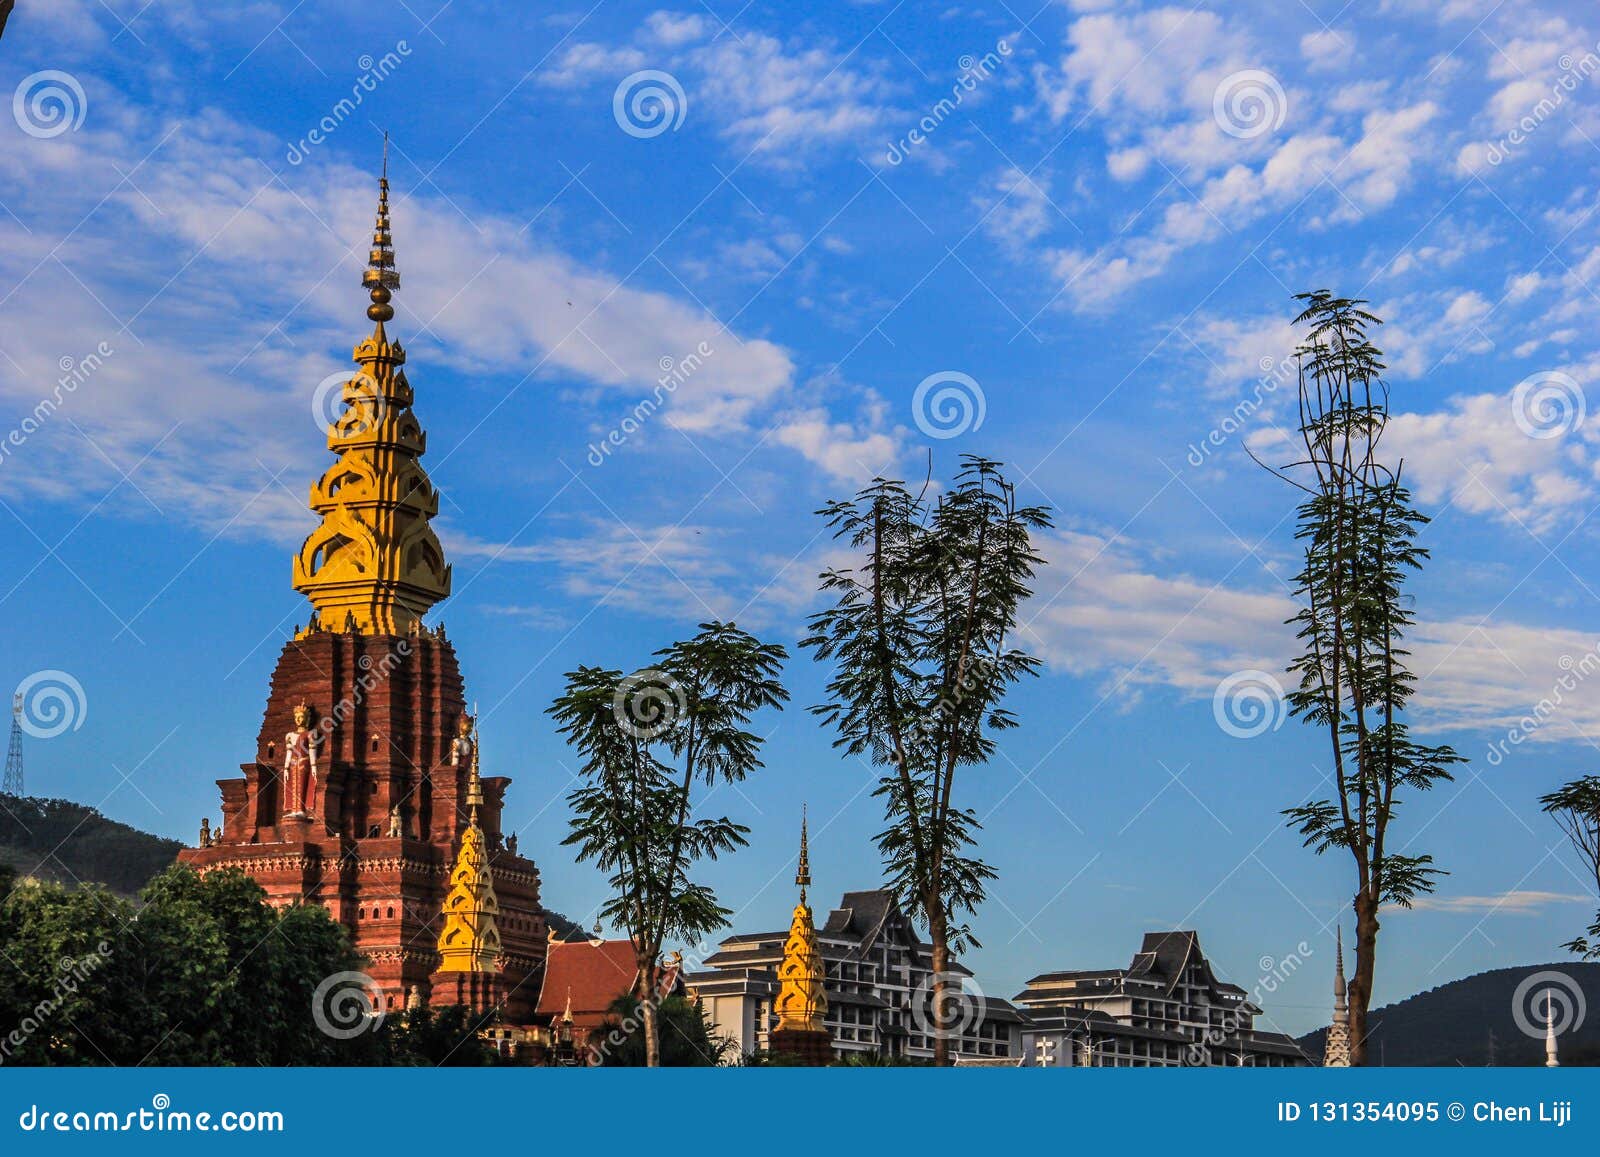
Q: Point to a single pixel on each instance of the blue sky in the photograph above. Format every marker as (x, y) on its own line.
(1102, 234)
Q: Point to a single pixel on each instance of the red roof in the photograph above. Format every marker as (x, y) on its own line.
(595, 972)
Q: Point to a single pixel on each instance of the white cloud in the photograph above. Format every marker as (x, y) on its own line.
(1327, 49)
(1516, 902)
(676, 28)
(1474, 455)
(1520, 287)
(1115, 609)
(584, 62)
(1016, 208)
(243, 292)
(785, 101)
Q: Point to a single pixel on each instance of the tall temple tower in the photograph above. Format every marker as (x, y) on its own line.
(802, 1004)
(364, 789)
(1336, 1049)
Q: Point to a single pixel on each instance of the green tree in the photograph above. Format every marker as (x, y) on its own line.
(202, 971)
(1358, 528)
(1576, 807)
(645, 741)
(688, 1038)
(436, 1037)
(920, 638)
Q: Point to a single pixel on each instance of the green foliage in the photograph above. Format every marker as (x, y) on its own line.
(644, 742)
(919, 638)
(201, 972)
(1576, 807)
(56, 839)
(688, 1038)
(441, 1037)
(1358, 529)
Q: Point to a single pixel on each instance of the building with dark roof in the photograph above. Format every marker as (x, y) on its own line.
(1167, 1008)
(878, 977)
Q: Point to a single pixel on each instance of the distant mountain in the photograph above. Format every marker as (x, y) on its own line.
(69, 843)
(56, 839)
(1473, 1022)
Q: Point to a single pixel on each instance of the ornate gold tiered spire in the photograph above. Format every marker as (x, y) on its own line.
(801, 1001)
(470, 939)
(375, 565)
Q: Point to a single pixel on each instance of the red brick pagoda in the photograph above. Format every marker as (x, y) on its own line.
(363, 794)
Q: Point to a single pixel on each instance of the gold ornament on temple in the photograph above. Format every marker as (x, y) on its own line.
(801, 1003)
(374, 565)
(470, 938)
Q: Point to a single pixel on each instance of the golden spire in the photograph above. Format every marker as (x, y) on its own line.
(374, 565)
(802, 875)
(470, 939)
(801, 1003)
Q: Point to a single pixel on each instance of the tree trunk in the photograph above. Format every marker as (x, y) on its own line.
(651, 1026)
(940, 956)
(1360, 990)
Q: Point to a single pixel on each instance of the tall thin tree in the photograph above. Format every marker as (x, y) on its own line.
(920, 637)
(645, 741)
(1358, 529)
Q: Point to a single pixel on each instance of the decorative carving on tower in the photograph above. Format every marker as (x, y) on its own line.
(374, 565)
(470, 939)
(1336, 1050)
(802, 1004)
(469, 942)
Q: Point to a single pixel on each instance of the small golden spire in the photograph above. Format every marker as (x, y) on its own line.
(802, 1004)
(470, 938)
(381, 274)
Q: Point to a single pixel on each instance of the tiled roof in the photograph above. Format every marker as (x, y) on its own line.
(595, 972)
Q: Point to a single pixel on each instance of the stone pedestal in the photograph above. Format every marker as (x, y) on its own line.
(809, 1047)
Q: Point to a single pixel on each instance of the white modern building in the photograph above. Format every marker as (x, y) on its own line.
(1167, 1008)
